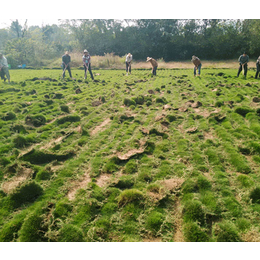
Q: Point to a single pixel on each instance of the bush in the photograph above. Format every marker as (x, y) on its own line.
(193, 211)
(125, 182)
(65, 119)
(28, 192)
(9, 231)
(243, 110)
(70, 233)
(109, 208)
(255, 195)
(32, 229)
(245, 181)
(43, 175)
(8, 116)
(132, 195)
(161, 100)
(203, 183)
(130, 167)
(64, 108)
(129, 102)
(194, 233)
(62, 209)
(226, 232)
(154, 221)
(37, 120)
(20, 141)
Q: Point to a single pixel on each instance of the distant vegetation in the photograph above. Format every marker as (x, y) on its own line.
(163, 39)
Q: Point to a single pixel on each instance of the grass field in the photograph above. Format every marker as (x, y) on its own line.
(130, 158)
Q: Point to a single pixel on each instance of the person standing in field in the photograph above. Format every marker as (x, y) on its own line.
(4, 71)
(66, 63)
(257, 67)
(154, 65)
(87, 64)
(128, 60)
(197, 65)
(243, 60)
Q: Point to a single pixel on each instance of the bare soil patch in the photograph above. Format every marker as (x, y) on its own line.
(103, 180)
(99, 127)
(78, 185)
(22, 175)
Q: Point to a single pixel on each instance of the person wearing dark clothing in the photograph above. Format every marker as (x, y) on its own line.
(257, 67)
(66, 63)
(87, 64)
(243, 60)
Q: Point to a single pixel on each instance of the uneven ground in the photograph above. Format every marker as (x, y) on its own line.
(130, 158)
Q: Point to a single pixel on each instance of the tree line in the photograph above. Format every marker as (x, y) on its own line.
(167, 39)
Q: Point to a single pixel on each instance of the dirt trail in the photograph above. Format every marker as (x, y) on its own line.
(99, 127)
(178, 235)
(103, 179)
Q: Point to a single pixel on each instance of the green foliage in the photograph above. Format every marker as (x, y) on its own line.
(62, 209)
(131, 195)
(194, 233)
(70, 233)
(125, 182)
(193, 211)
(245, 181)
(130, 167)
(65, 119)
(243, 111)
(255, 195)
(33, 229)
(154, 221)
(226, 231)
(28, 192)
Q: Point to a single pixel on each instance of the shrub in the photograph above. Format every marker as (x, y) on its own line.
(70, 233)
(233, 206)
(28, 192)
(161, 100)
(109, 208)
(154, 221)
(43, 175)
(129, 102)
(8, 116)
(32, 229)
(255, 195)
(62, 209)
(20, 141)
(226, 232)
(37, 120)
(193, 211)
(125, 182)
(194, 233)
(64, 108)
(9, 231)
(243, 110)
(139, 100)
(131, 195)
(65, 119)
(130, 167)
(245, 181)
(243, 224)
(203, 183)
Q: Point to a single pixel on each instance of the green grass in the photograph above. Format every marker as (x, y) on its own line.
(55, 139)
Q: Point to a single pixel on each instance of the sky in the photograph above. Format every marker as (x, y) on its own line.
(49, 11)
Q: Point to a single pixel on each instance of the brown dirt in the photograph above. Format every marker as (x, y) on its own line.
(78, 185)
(172, 184)
(130, 153)
(103, 180)
(22, 175)
(252, 235)
(178, 235)
(52, 143)
(99, 127)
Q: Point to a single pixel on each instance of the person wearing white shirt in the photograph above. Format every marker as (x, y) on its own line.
(128, 60)
(4, 68)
